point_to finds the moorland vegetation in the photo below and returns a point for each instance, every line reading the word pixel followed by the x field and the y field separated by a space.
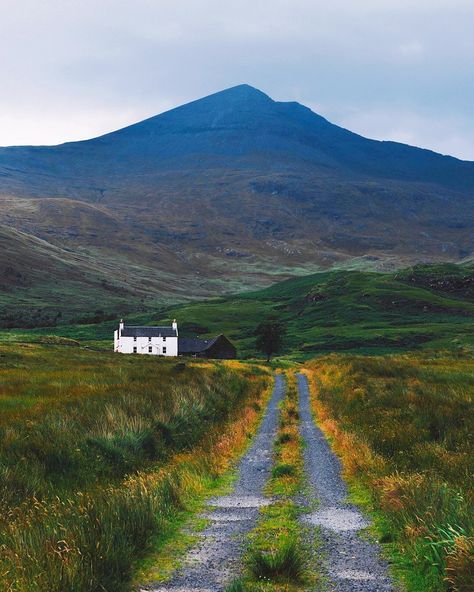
pixel 424 307
pixel 403 426
pixel 101 454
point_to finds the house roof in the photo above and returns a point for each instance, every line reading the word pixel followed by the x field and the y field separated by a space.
pixel 134 331
pixel 194 345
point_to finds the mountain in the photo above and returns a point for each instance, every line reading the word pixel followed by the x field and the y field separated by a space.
pixel 233 191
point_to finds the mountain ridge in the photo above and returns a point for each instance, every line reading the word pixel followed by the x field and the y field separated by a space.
pixel 237 89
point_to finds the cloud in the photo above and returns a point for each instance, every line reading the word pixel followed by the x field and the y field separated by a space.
pixel 76 68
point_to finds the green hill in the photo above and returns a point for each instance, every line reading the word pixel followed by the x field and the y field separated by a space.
pixel 430 306
pixel 425 306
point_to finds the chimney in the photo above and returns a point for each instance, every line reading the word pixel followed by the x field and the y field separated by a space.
pixel 120 327
pixel 174 326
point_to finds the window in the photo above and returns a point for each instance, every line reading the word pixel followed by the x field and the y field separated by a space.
pixel 164 350
pixel 134 339
pixel 150 349
pixel 134 350
pixel 149 339
pixel 164 338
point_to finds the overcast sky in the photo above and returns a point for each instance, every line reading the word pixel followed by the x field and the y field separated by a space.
pixel 387 69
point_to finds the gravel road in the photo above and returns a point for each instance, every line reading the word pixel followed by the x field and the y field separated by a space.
pixel 351 563
pixel 216 558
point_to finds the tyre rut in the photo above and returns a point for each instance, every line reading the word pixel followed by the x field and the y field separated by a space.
pixel 351 563
pixel 216 558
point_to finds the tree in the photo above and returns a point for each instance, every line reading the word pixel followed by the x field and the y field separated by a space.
pixel 270 335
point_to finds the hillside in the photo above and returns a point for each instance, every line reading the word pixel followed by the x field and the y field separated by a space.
pixel 234 191
pixel 420 307
pixel 42 283
pixel 349 311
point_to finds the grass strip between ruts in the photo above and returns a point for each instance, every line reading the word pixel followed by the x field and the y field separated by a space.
pixel 277 556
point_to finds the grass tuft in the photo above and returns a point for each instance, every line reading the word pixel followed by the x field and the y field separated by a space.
pixel 236 586
pixel 284 562
pixel 284 438
pixel 283 470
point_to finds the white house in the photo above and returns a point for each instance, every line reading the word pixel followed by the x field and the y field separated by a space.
pixel 155 341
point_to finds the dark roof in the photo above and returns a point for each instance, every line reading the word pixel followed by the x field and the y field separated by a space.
pixel 132 331
pixel 194 345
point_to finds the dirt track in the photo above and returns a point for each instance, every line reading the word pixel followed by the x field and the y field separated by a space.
pixel 216 559
pixel 351 563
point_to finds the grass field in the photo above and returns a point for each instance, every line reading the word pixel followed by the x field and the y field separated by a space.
pixel 426 307
pixel 100 453
pixel 403 426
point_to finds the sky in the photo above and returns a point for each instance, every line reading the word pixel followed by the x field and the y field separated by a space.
pixel 388 69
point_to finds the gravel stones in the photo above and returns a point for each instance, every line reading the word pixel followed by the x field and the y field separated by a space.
pixel 216 558
pixel 352 563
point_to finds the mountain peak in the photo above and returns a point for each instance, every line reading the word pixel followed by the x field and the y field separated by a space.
pixel 245 90
pixel 242 93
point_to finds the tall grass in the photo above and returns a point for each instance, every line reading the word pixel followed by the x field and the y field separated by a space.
pixel 89 476
pixel 404 427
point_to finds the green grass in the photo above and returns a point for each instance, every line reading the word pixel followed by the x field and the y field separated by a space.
pixel 349 311
pixel 283 470
pixel 100 454
pixel 403 426
pixel 236 586
pixel 285 562
pixel 426 307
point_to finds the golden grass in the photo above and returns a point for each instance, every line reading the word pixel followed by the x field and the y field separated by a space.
pixel 403 426
pixel 105 456
pixel 217 455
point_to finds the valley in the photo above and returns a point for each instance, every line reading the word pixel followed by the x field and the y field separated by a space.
pixel 342 464
pixel 425 307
